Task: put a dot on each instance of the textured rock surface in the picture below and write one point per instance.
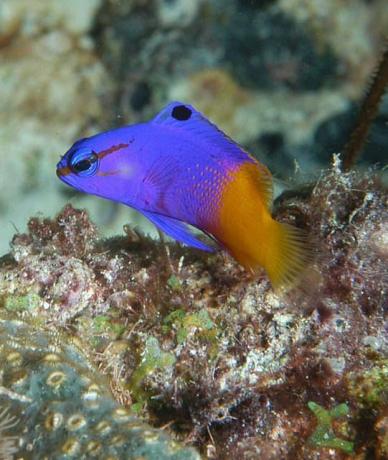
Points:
(187, 339)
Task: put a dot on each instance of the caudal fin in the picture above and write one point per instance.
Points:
(287, 254)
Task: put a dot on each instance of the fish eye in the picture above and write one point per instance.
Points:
(83, 162)
(181, 113)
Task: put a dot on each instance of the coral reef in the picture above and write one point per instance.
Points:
(128, 347)
(56, 405)
(190, 341)
(267, 72)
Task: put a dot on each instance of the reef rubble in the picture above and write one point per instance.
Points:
(189, 342)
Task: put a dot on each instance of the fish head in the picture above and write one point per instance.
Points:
(103, 165)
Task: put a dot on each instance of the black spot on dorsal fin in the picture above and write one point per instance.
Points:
(181, 113)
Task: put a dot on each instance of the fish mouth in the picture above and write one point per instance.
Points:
(62, 169)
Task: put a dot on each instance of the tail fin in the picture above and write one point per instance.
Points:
(287, 254)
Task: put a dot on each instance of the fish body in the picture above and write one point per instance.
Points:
(180, 169)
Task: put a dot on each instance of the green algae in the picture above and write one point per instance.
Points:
(174, 283)
(26, 302)
(153, 359)
(199, 323)
(137, 408)
(104, 323)
(183, 323)
(324, 435)
(173, 320)
(101, 330)
(370, 388)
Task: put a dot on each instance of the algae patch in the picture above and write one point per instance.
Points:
(153, 359)
(198, 325)
(370, 388)
(183, 323)
(21, 302)
(324, 435)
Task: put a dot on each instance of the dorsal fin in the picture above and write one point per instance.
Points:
(263, 179)
(185, 117)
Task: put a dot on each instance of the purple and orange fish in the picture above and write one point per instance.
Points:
(180, 169)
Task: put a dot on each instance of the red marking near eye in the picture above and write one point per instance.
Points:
(112, 149)
(65, 171)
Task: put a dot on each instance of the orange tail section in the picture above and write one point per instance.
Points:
(287, 254)
(248, 231)
(282, 250)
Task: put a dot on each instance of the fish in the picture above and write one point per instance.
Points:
(183, 173)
